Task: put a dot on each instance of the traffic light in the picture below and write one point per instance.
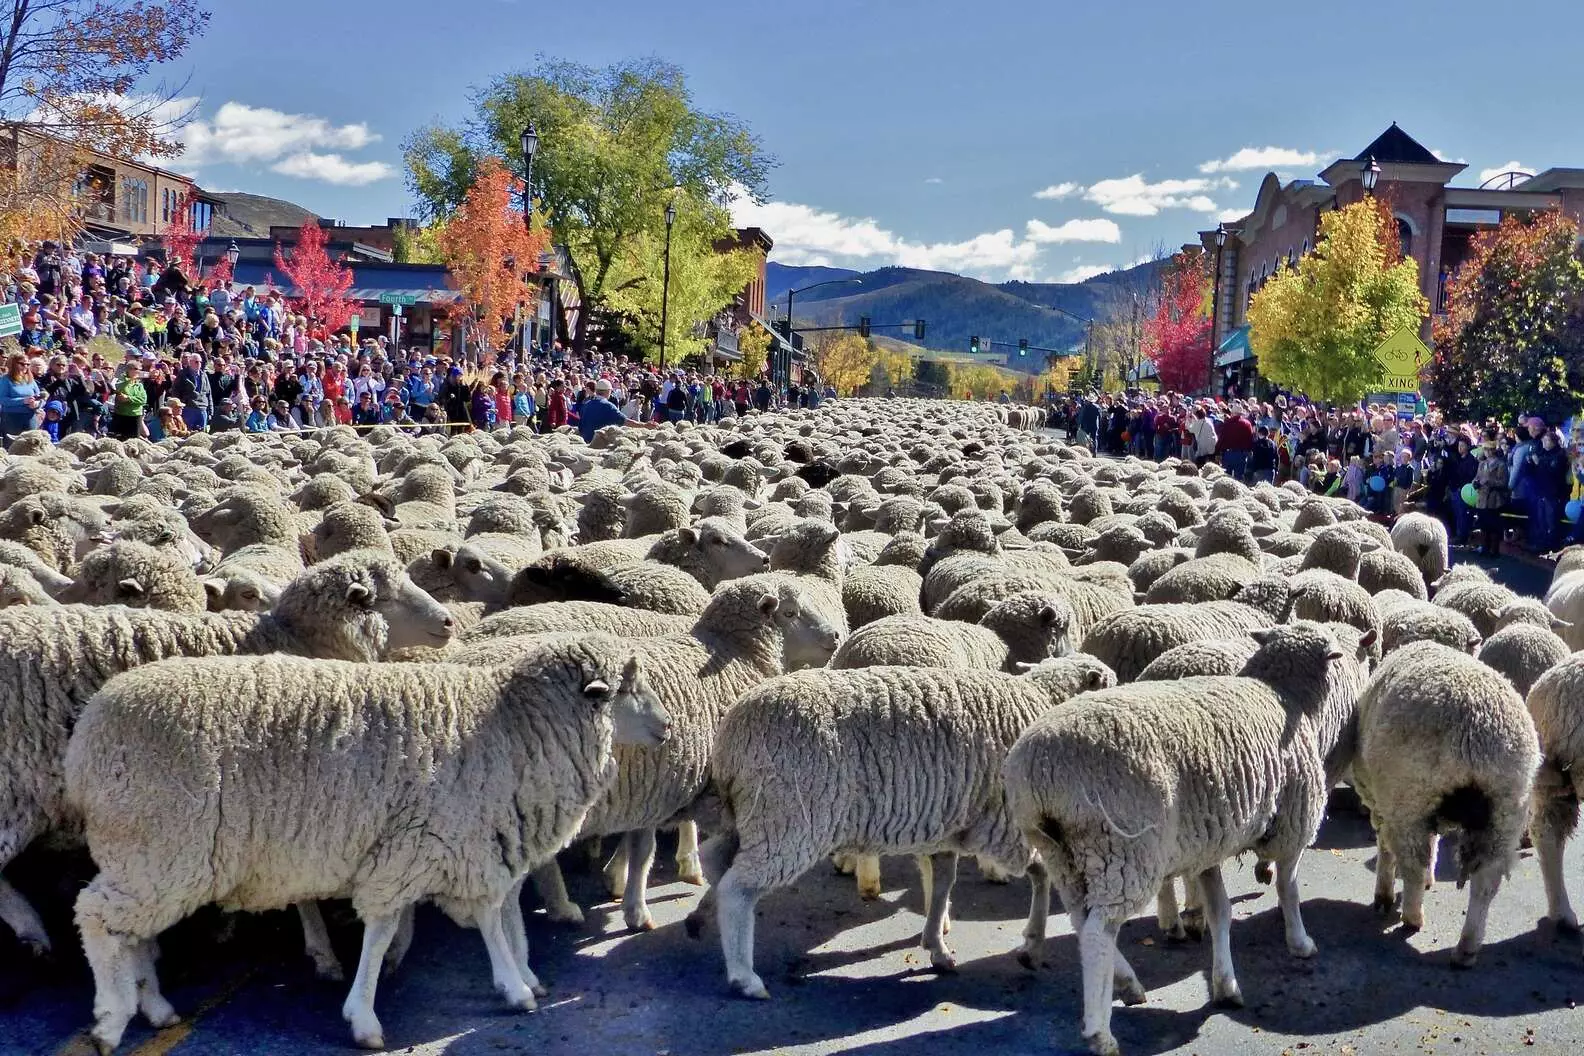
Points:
(1022, 347)
(973, 345)
(918, 329)
(863, 326)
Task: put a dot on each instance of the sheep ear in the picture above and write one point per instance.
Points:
(769, 604)
(598, 689)
(129, 588)
(1024, 665)
(1335, 654)
(1262, 635)
(1047, 615)
(214, 589)
(690, 536)
(1559, 624)
(36, 516)
(442, 557)
(1096, 680)
(359, 594)
(630, 670)
(1368, 638)
(379, 502)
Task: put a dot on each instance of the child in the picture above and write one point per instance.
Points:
(52, 420)
(1353, 482)
(1402, 480)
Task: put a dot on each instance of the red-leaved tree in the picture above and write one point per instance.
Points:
(179, 240)
(490, 251)
(322, 284)
(1177, 336)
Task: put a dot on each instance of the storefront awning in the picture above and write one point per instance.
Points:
(1235, 349)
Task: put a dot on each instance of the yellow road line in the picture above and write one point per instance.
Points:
(81, 1043)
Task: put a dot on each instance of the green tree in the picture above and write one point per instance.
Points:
(847, 362)
(753, 341)
(615, 146)
(419, 245)
(1512, 340)
(1314, 328)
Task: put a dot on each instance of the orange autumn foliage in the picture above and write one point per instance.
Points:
(490, 251)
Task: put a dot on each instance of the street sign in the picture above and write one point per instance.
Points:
(10, 320)
(398, 298)
(352, 324)
(1402, 356)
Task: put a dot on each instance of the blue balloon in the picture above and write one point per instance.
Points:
(1377, 483)
(1573, 509)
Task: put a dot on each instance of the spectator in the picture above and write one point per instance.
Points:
(20, 398)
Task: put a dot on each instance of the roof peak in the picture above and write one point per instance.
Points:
(1394, 146)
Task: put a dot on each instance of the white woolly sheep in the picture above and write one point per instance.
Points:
(1212, 656)
(1444, 744)
(128, 573)
(443, 782)
(1423, 540)
(1556, 706)
(1480, 602)
(1390, 570)
(1128, 640)
(16, 555)
(18, 587)
(1024, 629)
(1522, 652)
(1421, 621)
(873, 592)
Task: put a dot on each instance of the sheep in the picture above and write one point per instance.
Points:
(1423, 540)
(58, 529)
(815, 553)
(847, 733)
(1565, 599)
(753, 629)
(1523, 653)
(1555, 702)
(1108, 791)
(644, 584)
(1024, 629)
(1147, 568)
(872, 592)
(1444, 744)
(1324, 596)
(1090, 602)
(16, 555)
(1391, 570)
(1422, 622)
(1480, 602)
(465, 752)
(554, 616)
(656, 507)
(232, 587)
(1210, 656)
(357, 607)
(349, 526)
(1128, 640)
(18, 587)
(1528, 610)
(1214, 577)
(128, 573)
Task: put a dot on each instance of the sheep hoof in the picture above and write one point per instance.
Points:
(640, 921)
(567, 914)
(329, 969)
(868, 894)
(1193, 924)
(694, 925)
(944, 961)
(538, 989)
(1384, 905)
(1464, 958)
(689, 871)
(161, 1017)
(37, 945)
(1304, 949)
(1030, 959)
(1262, 872)
(1132, 993)
(1566, 924)
(752, 987)
(1102, 1044)
(520, 1000)
(1413, 921)
(1229, 996)
(1176, 935)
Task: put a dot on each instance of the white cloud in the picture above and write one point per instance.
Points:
(1256, 158)
(1083, 271)
(933, 180)
(241, 133)
(1134, 196)
(1443, 157)
(1095, 230)
(332, 168)
(1227, 216)
(1511, 166)
(1057, 190)
(805, 235)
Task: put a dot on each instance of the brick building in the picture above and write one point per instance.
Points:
(1435, 221)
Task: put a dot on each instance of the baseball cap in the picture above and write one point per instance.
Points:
(602, 385)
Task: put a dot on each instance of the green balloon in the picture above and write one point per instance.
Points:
(1469, 494)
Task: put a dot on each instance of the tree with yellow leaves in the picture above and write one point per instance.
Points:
(893, 366)
(846, 362)
(1314, 328)
(753, 342)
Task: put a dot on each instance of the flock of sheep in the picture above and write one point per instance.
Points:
(261, 670)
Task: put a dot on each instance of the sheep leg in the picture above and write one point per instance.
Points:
(1097, 935)
(1299, 944)
(927, 886)
(151, 1002)
(358, 1009)
(110, 957)
(517, 936)
(1550, 823)
(1167, 916)
(689, 871)
(844, 864)
(640, 859)
(867, 869)
(551, 888)
(1433, 848)
(616, 868)
(715, 855)
(1413, 879)
(1482, 892)
(992, 871)
(1031, 955)
(316, 942)
(735, 915)
(1224, 989)
(943, 866)
(1193, 914)
(396, 952)
(20, 916)
(1385, 877)
(509, 980)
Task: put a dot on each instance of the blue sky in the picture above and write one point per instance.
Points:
(1034, 140)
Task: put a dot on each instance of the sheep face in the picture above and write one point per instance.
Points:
(809, 639)
(726, 553)
(480, 577)
(637, 716)
(363, 606)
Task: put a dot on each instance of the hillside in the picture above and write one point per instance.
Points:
(241, 215)
(955, 307)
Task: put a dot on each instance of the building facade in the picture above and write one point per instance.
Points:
(1436, 222)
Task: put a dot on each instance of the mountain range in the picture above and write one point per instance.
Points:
(1050, 315)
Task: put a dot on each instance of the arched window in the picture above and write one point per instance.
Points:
(1405, 234)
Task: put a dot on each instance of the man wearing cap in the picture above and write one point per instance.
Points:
(195, 392)
(597, 411)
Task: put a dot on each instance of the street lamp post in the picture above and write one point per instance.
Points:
(790, 295)
(665, 290)
(530, 147)
(1215, 299)
(1371, 175)
(232, 254)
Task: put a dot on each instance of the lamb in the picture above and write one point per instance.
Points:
(1211, 656)
(753, 629)
(1444, 743)
(127, 573)
(360, 607)
(1424, 622)
(1523, 653)
(1128, 640)
(1390, 570)
(1423, 540)
(466, 752)
(1555, 704)
(1105, 791)
(819, 730)
(1024, 629)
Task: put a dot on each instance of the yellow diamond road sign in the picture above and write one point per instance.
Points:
(1401, 356)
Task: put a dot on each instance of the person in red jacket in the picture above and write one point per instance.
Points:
(1235, 442)
(556, 405)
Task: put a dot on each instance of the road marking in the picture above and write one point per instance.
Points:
(82, 1044)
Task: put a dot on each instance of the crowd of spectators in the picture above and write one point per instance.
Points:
(126, 347)
(1522, 479)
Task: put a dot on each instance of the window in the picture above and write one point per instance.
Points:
(202, 213)
(134, 200)
(1405, 236)
(165, 205)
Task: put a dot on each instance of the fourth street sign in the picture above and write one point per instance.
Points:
(398, 298)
